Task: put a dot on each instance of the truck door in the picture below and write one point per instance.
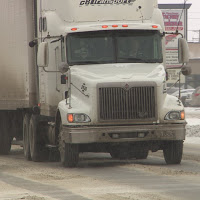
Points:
(60, 57)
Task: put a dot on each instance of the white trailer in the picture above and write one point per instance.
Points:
(17, 66)
(94, 80)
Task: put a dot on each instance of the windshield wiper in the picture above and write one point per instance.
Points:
(139, 60)
(86, 63)
(135, 60)
(153, 60)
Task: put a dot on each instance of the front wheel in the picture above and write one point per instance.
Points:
(37, 146)
(173, 152)
(69, 153)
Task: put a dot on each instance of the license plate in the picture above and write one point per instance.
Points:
(165, 134)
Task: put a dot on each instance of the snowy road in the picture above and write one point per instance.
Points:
(98, 177)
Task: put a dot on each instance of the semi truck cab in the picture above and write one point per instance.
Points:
(93, 81)
(116, 98)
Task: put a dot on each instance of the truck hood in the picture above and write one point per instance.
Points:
(85, 81)
(123, 72)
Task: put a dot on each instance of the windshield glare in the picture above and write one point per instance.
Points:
(114, 47)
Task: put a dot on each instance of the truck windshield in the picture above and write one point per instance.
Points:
(120, 46)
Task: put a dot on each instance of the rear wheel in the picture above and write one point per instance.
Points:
(37, 146)
(26, 143)
(173, 152)
(5, 137)
(69, 153)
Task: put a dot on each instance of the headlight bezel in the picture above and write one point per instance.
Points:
(175, 115)
(78, 118)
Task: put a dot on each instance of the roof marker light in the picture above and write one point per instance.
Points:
(154, 26)
(114, 26)
(104, 26)
(74, 29)
(124, 25)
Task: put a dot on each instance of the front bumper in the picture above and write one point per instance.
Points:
(110, 134)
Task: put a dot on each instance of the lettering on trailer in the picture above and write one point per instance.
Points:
(111, 2)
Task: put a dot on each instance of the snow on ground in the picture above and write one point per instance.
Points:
(193, 125)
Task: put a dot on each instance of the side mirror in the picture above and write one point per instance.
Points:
(186, 70)
(63, 67)
(43, 55)
(183, 51)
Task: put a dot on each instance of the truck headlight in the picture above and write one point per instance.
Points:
(175, 115)
(78, 118)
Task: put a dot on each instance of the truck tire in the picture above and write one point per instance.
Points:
(143, 154)
(70, 157)
(173, 152)
(26, 141)
(5, 138)
(69, 153)
(37, 147)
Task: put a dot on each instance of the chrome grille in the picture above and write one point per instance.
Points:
(137, 103)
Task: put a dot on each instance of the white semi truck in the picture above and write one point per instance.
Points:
(87, 76)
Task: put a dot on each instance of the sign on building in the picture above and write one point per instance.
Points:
(174, 20)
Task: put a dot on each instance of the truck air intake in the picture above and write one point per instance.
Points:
(136, 103)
